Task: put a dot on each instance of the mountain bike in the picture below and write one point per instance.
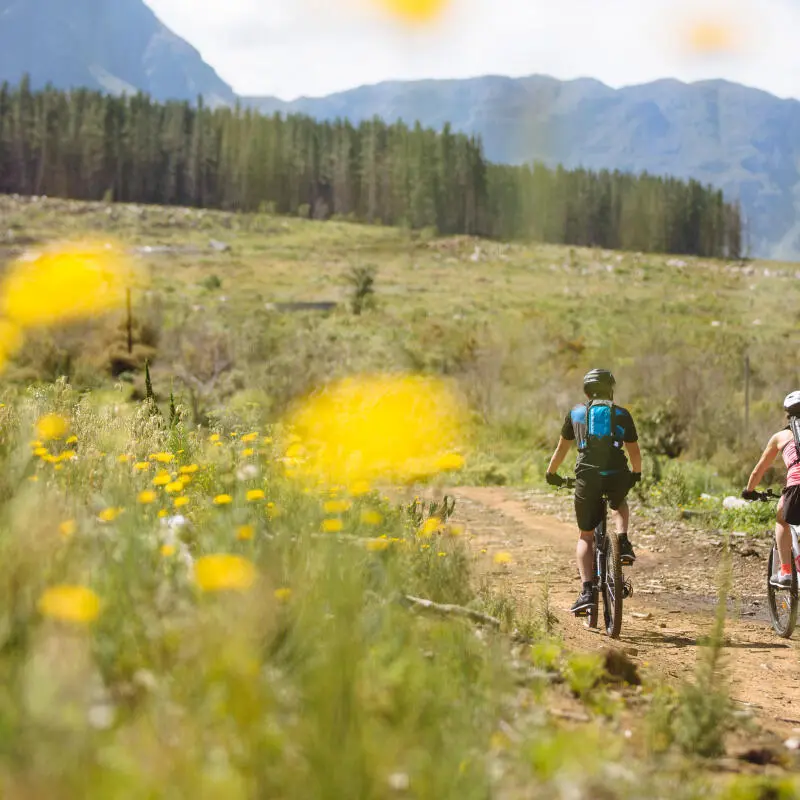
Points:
(782, 602)
(609, 581)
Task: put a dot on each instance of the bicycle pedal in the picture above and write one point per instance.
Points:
(582, 612)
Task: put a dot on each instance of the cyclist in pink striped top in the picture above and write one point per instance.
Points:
(787, 443)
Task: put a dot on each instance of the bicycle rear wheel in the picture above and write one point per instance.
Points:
(612, 587)
(782, 602)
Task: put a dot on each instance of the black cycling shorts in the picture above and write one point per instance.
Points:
(790, 505)
(590, 487)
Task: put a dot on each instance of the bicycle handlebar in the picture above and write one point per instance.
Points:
(765, 497)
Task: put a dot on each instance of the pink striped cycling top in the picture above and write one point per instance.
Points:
(792, 464)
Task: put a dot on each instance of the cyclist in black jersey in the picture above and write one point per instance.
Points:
(604, 432)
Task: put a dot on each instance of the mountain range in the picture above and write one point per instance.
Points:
(743, 140)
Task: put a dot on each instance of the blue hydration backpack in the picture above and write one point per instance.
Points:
(598, 430)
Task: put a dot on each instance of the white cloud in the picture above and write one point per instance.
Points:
(314, 47)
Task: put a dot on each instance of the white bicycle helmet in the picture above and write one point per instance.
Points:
(792, 404)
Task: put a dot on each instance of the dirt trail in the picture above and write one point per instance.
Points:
(763, 669)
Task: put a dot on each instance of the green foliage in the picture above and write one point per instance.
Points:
(362, 286)
(237, 159)
(211, 283)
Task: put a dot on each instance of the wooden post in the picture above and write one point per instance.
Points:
(746, 394)
(130, 322)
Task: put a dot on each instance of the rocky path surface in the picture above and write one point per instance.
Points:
(675, 595)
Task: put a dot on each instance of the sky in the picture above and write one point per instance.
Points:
(290, 48)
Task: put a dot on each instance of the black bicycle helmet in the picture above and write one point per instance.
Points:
(791, 405)
(599, 382)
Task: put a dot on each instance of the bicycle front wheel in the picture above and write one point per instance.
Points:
(782, 602)
(612, 587)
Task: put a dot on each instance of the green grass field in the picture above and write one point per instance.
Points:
(260, 645)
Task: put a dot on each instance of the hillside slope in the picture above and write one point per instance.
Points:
(116, 47)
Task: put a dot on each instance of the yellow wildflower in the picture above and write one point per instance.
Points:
(247, 452)
(360, 488)
(223, 500)
(430, 526)
(217, 573)
(147, 497)
(70, 604)
(67, 528)
(245, 532)
(455, 530)
(162, 479)
(65, 283)
(441, 555)
(332, 525)
(255, 494)
(164, 458)
(377, 545)
(68, 455)
(41, 452)
(267, 440)
(162, 513)
(167, 550)
(174, 487)
(450, 461)
(52, 426)
(336, 506)
(383, 427)
(213, 438)
(180, 502)
(185, 480)
(71, 439)
(141, 466)
(503, 558)
(10, 341)
(109, 514)
(414, 12)
(371, 517)
(249, 437)
(123, 458)
(283, 594)
(189, 469)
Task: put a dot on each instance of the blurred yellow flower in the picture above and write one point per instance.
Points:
(214, 437)
(167, 550)
(387, 427)
(65, 283)
(360, 488)
(162, 513)
(249, 437)
(449, 462)
(109, 514)
(10, 340)
(164, 458)
(430, 526)
(218, 573)
(162, 479)
(255, 494)
(174, 487)
(147, 497)
(455, 530)
(141, 466)
(67, 528)
(503, 558)
(70, 604)
(223, 500)
(414, 11)
(336, 506)
(51, 426)
(71, 439)
(283, 594)
(245, 532)
(371, 517)
(377, 545)
(41, 452)
(123, 458)
(190, 469)
(180, 502)
(247, 452)
(441, 555)
(332, 525)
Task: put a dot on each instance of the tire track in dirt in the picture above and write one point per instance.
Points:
(763, 670)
